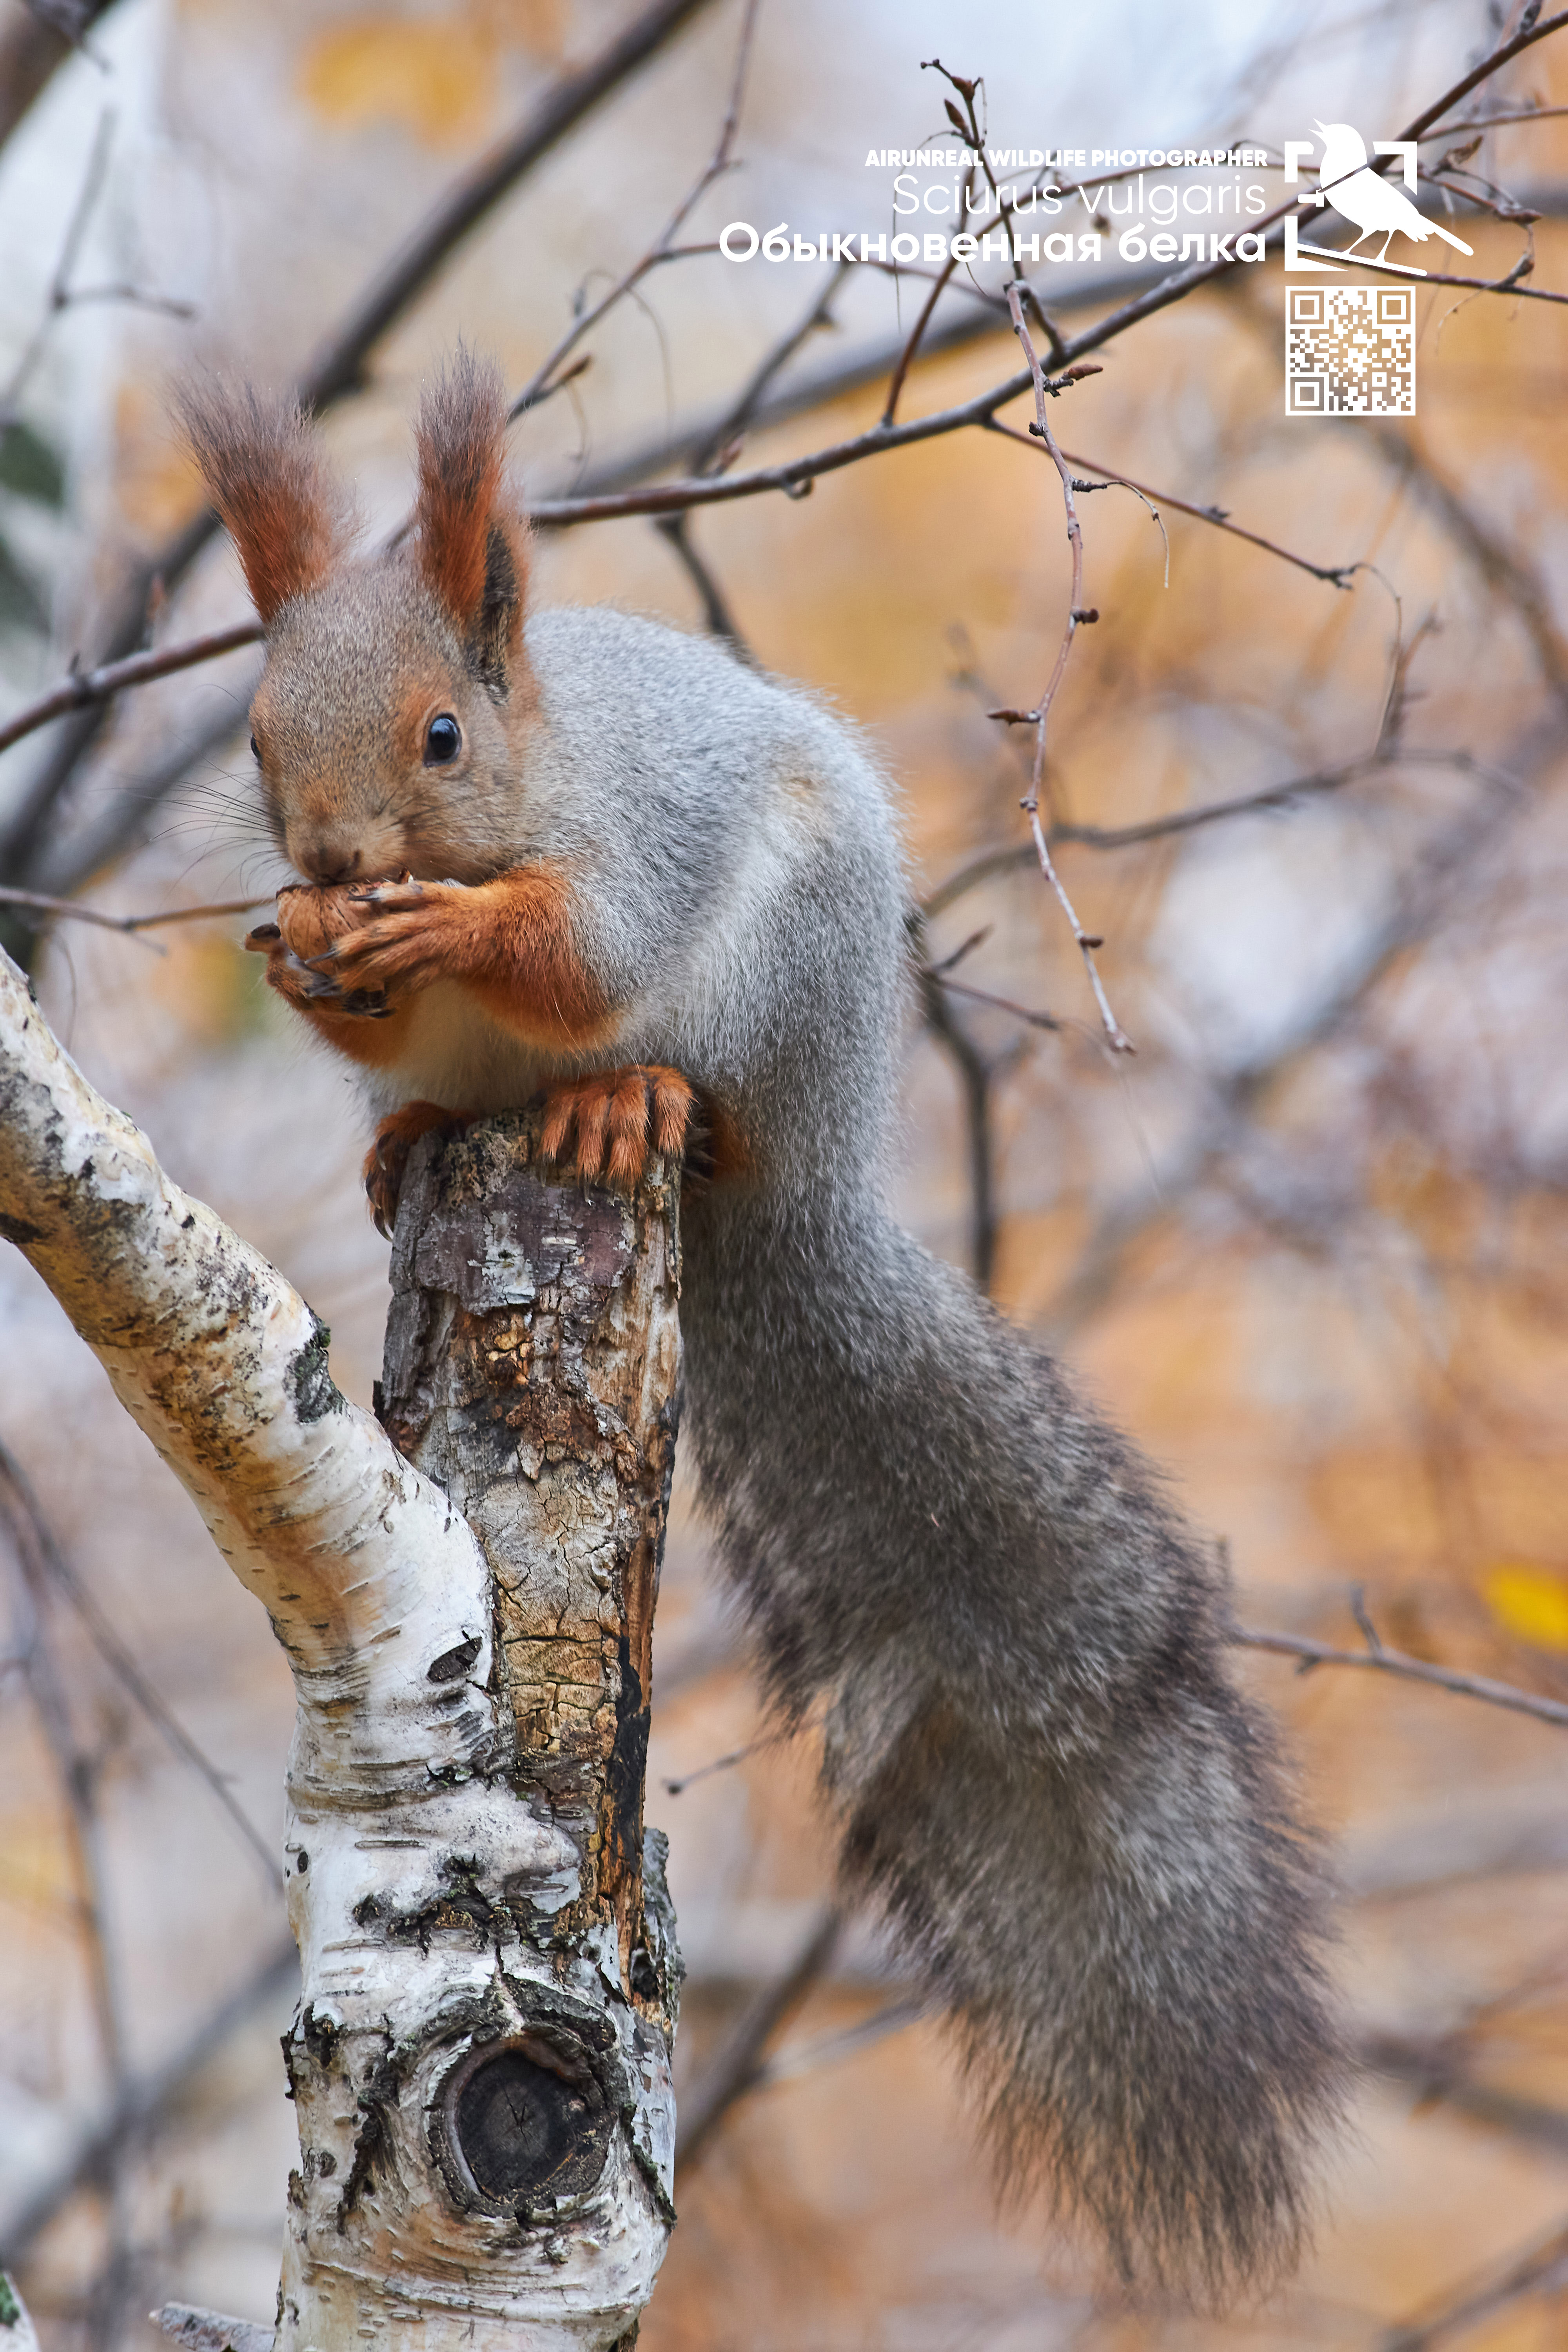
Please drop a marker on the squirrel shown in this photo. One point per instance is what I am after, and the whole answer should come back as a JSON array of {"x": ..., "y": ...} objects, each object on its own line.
[{"x": 581, "y": 855}]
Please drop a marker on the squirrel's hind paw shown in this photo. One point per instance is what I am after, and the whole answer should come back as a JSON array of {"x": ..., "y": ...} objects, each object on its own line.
[
  {"x": 619, "y": 1117},
  {"x": 386, "y": 1162}
]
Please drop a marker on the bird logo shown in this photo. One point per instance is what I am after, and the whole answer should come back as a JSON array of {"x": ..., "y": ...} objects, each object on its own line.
[{"x": 1365, "y": 198}]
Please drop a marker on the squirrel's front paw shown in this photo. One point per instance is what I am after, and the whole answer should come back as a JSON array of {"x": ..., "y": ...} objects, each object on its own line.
[
  {"x": 309, "y": 990},
  {"x": 401, "y": 931},
  {"x": 625, "y": 1113}
]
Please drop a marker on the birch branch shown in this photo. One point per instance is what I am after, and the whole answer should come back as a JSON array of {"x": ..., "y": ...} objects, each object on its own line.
[
  {"x": 20, "y": 2334},
  {"x": 480, "y": 2063}
]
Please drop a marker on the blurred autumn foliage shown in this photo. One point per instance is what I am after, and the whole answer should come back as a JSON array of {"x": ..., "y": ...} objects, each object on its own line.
[{"x": 1308, "y": 1243}]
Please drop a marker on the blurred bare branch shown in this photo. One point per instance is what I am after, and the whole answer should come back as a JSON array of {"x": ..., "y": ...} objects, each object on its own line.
[
  {"x": 146, "y": 2106},
  {"x": 41, "y": 1556},
  {"x": 586, "y": 316},
  {"x": 84, "y": 688},
  {"x": 35, "y": 42},
  {"x": 1421, "y": 898},
  {"x": 338, "y": 368},
  {"x": 738, "y": 2065},
  {"x": 1428, "y": 2063},
  {"x": 1542, "y": 2271},
  {"x": 717, "y": 617},
  {"x": 822, "y": 2050},
  {"x": 976, "y": 1074},
  {"x": 76, "y": 1763},
  {"x": 1500, "y": 565},
  {"x": 63, "y": 294},
  {"x": 37, "y": 902},
  {"x": 1533, "y": 27},
  {"x": 1381, "y": 1660}
]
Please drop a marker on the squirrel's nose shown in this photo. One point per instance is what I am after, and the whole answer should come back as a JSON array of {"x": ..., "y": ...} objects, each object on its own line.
[{"x": 326, "y": 856}]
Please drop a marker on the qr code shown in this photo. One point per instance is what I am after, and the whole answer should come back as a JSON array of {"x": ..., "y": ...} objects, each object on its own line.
[{"x": 1349, "y": 351}]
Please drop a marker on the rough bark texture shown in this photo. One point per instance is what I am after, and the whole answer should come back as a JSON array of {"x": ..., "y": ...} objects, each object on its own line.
[{"x": 481, "y": 2058}]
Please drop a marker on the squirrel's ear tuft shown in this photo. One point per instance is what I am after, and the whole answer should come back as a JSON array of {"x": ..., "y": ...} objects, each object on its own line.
[
  {"x": 288, "y": 517},
  {"x": 473, "y": 540}
]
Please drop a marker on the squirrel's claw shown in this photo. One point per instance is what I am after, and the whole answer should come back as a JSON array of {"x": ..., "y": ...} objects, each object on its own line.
[
  {"x": 621, "y": 1118},
  {"x": 406, "y": 943},
  {"x": 400, "y": 897},
  {"x": 386, "y": 1162},
  {"x": 303, "y": 985}
]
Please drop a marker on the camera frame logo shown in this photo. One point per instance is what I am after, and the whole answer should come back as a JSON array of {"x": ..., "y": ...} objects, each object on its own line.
[
  {"x": 1372, "y": 205},
  {"x": 1349, "y": 351}
]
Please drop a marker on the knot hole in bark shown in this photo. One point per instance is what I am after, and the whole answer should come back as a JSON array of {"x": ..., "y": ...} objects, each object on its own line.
[{"x": 528, "y": 2125}]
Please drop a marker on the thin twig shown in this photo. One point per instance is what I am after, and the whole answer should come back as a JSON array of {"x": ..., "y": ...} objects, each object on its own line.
[
  {"x": 1381, "y": 1660},
  {"x": 40, "y": 903},
  {"x": 1338, "y": 575},
  {"x": 905, "y": 358},
  {"x": 795, "y": 477},
  {"x": 1323, "y": 781},
  {"x": 1492, "y": 122},
  {"x": 1076, "y": 615},
  {"x": 338, "y": 368},
  {"x": 738, "y": 2066},
  {"x": 144, "y": 2106},
  {"x": 1425, "y": 892},
  {"x": 1430, "y": 2067},
  {"x": 62, "y": 295},
  {"x": 725, "y": 1763},
  {"x": 35, "y": 1537},
  {"x": 976, "y": 1076},
  {"x": 56, "y": 298},
  {"x": 1541, "y": 2271},
  {"x": 713, "y": 448},
  {"x": 75, "y": 1768},
  {"x": 1003, "y": 1003},
  {"x": 831, "y": 2049},
  {"x": 1524, "y": 39},
  {"x": 717, "y": 617},
  {"x": 663, "y": 249},
  {"x": 1498, "y": 564},
  {"x": 1509, "y": 284}
]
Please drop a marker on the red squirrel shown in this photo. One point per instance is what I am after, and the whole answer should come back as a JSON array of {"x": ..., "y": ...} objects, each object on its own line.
[{"x": 582, "y": 855}]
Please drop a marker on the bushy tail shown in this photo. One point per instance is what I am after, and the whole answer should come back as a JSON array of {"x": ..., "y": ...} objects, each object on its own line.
[{"x": 1077, "y": 1825}]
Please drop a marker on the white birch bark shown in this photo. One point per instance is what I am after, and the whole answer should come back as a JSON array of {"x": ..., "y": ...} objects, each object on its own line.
[{"x": 480, "y": 2063}]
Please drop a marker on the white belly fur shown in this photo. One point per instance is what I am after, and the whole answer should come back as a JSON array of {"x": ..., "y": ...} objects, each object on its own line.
[{"x": 458, "y": 1056}]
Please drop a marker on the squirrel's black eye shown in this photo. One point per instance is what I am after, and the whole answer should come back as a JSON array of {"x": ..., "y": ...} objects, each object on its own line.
[
  {"x": 443, "y": 741},
  {"x": 255, "y": 749}
]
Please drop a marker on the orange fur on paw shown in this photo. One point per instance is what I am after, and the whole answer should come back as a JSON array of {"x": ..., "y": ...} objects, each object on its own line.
[
  {"x": 407, "y": 931},
  {"x": 386, "y": 1162},
  {"x": 510, "y": 942},
  {"x": 337, "y": 1012},
  {"x": 619, "y": 1117}
]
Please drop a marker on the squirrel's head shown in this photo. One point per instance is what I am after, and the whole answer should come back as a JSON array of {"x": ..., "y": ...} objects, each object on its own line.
[{"x": 390, "y": 719}]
